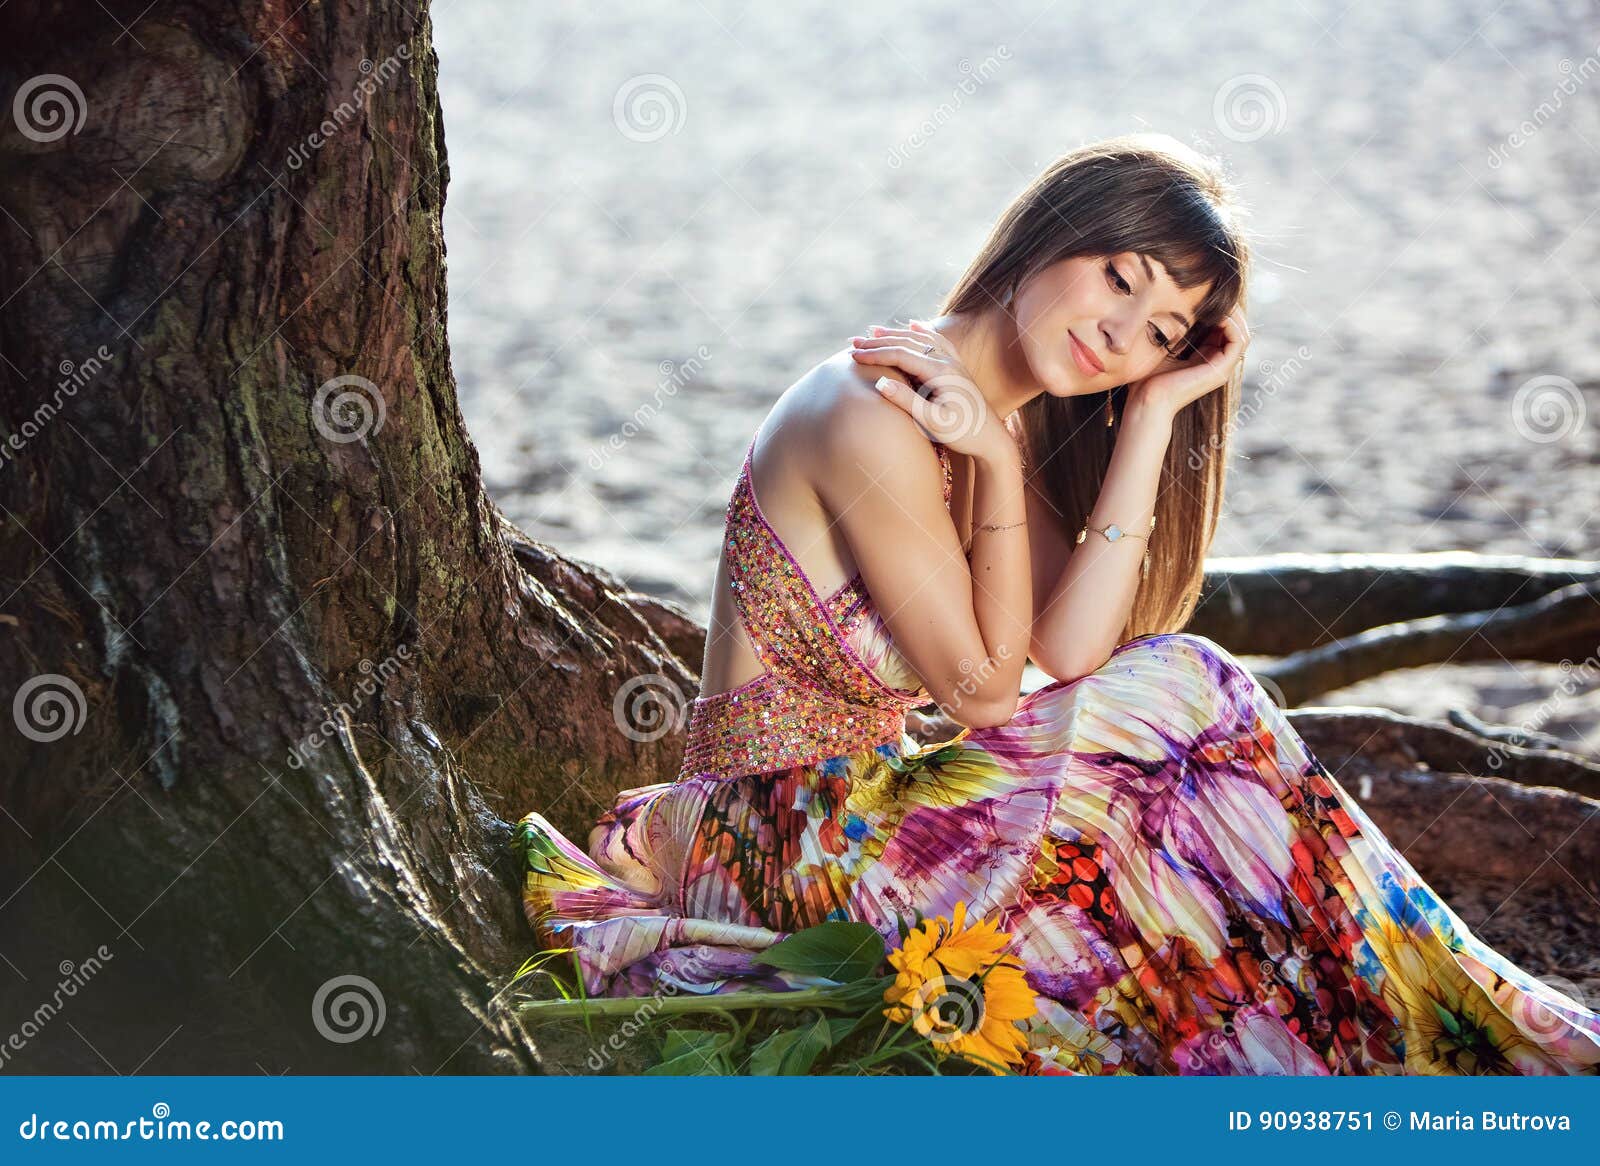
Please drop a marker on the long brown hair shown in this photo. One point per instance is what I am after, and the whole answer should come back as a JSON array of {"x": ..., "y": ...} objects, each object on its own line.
[{"x": 1151, "y": 194}]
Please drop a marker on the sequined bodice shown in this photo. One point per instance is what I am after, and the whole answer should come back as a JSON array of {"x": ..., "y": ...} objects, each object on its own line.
[{"x": 833, "y": 680}]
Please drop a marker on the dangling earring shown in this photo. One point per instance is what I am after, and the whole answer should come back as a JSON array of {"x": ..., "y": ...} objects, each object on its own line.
[
  {"x": 1011, "y": 294},
  {"x": 1110, "y": 416}
]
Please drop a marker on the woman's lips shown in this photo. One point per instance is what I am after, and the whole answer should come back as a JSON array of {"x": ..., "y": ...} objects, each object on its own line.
[{"x": 1085, "y": 358}]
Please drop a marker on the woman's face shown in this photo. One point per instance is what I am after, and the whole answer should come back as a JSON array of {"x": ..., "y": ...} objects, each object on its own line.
[{"x": 1125, "y": 310}]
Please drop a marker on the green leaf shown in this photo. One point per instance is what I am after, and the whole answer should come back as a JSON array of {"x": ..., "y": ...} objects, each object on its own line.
[
  {"x": 681, "y": 1041},
  {"x": 692, "y": 1065},
  {"x": 842, "y": 1027},
  {"x": 767, "y": 1058},
  {"x": 692, "y": 1052},
  {"x": 813, "y": 1042},
  {"x": 837, "y": 950},
  {"x": 792, "y": 1052}
]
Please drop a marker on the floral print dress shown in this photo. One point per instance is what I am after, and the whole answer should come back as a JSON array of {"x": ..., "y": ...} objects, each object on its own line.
[{"x": 1188, "y": 889}]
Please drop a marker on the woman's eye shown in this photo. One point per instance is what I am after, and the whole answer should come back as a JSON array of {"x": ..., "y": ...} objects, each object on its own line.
[{"x": 1123, "y": 286}]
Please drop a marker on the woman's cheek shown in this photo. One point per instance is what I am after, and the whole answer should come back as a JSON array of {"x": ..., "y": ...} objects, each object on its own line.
[
  {"x": 1065, "y": 376},
  {"x": 1050, "y": 364}
]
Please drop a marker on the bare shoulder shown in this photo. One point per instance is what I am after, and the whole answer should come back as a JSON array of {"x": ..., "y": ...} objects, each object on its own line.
[{"x": 857, "y": 437}]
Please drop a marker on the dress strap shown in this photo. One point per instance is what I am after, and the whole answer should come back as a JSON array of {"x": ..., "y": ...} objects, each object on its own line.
[{"x": 788, "y": 623}]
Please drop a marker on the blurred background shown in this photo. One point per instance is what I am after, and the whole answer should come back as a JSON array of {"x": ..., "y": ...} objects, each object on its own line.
[{"x": 660, "y": 216}]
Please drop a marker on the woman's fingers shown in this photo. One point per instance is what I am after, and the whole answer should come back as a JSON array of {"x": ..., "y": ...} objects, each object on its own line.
[
  {"x": 918, "y": 333},
  {"x": 925, "y": 343},
  {"x": 1236, "y": 336},
  {"x": 907, "y": 398},
  {"x": 1236, "y": 331},
  {"x": 944, "y": 418},
  {"x": 912, "y": 360},
  {"x": 877, "y": 340},
  {"x": 1219, "y": 361},
  {"x": 891, "y": 343}
]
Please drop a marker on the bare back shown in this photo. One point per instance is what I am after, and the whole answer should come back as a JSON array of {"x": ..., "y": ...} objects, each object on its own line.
[{"x": 782, "y": 465}]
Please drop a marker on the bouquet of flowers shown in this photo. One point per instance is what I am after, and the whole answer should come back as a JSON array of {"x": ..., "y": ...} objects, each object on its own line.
[{"x": 950, "y": 996}]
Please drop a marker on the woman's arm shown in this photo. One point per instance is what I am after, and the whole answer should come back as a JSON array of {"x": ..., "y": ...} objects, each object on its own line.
[
  {"x": 1077, "y": 627},
  {"x": 962, "y": 627},
  {"x": 1079, "y": 622},
  {"x": 997, "y": 560}
]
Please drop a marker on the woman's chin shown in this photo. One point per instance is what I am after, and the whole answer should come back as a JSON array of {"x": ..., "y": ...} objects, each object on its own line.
[
  {"x": 1061, "y": 379},
  {"x": 1069, "y": 381}
]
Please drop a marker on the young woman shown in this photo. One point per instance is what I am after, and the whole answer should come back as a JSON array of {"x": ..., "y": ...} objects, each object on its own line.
[{"x": 1188, "y": 889}]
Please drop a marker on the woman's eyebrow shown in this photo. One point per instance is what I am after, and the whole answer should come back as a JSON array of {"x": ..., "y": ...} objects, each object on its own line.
[{"x": 1150, "y": 275}]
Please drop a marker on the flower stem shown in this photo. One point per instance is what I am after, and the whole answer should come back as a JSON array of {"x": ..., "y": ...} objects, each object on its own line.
[{"x": 831, "y": 997}]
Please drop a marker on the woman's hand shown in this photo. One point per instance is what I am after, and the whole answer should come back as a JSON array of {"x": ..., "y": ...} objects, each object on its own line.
[
  {"x": 1177, "y": 383},
  {"x": 948, "y": 404}
]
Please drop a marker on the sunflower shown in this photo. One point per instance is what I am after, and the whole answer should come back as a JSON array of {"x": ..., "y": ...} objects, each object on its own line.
[{"x": 961, "y": 990}]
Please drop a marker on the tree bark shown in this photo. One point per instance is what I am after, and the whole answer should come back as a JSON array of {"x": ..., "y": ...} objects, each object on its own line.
[
  {"x": 1280, "y": 604},
  {"x": 278, "y": 673},
  {"x": 1567, "y": 618},
  {"x": 1380, "y": 738}
]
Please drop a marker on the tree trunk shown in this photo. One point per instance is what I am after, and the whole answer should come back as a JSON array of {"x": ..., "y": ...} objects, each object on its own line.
[{"x": 278, "y": 676}]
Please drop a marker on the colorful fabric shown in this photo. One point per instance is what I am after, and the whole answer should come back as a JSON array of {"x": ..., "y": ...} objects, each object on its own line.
[{"x": 1190, "y": 891}]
